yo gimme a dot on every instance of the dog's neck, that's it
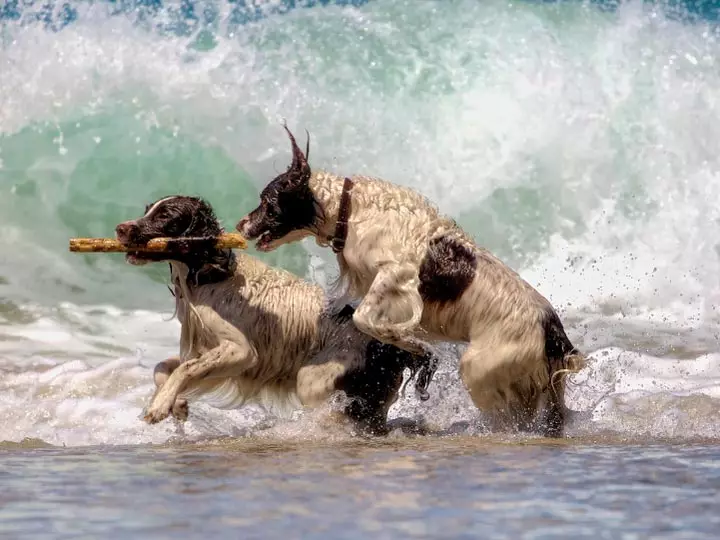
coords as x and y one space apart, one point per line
334 195
210 266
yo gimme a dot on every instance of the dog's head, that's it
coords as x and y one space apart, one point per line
172 217
288 210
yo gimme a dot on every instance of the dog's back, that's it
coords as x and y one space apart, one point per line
456 276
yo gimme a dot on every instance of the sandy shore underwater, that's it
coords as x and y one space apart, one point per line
420 487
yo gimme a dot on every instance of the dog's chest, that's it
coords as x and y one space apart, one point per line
359 259
357 274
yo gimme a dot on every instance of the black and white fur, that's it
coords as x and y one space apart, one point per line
258 333
418 278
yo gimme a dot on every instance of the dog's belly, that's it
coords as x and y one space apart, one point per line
233 392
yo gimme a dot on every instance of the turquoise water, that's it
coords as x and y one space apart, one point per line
576 140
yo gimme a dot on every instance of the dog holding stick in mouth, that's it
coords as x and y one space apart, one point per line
259 334
419 278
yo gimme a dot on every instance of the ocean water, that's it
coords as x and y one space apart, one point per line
577 140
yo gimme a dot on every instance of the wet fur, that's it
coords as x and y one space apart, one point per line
421 278
254 333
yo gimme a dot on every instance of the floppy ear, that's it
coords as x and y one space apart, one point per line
209 222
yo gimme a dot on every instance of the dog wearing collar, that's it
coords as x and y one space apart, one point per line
254 333
421 278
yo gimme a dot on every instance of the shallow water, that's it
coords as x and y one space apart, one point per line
417 488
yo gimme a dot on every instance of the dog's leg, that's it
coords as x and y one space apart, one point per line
553 421
371 384
230 358
161 373
317 382
320 378
392 308
372 391
505 381
164 369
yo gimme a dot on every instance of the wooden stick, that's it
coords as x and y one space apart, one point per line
110 245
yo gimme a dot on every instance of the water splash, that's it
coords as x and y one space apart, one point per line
576 143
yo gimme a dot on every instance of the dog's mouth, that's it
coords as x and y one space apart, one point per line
265 242
267 236
137 258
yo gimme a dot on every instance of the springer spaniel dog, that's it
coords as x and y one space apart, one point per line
257 333
420 278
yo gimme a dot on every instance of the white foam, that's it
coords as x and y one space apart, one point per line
100 401
607 125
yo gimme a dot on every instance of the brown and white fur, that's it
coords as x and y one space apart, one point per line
258 333
421 278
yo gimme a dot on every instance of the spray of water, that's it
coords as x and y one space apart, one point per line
577 144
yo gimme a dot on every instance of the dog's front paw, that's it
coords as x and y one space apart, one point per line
156 414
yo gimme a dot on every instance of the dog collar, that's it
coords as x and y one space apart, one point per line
341 227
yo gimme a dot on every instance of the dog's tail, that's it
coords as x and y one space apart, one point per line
563 358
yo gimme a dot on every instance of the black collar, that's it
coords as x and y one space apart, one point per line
341 227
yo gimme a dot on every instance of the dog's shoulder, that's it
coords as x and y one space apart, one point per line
385 195
448 268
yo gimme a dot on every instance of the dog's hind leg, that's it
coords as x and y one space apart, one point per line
505 381
319 380
373 388
392 308
316 382
230 358
553 418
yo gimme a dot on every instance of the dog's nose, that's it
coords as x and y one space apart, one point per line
123 230
241 224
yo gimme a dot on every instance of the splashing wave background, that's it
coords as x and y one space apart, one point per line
576 140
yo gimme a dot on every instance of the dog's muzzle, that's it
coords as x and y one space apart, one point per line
126 232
